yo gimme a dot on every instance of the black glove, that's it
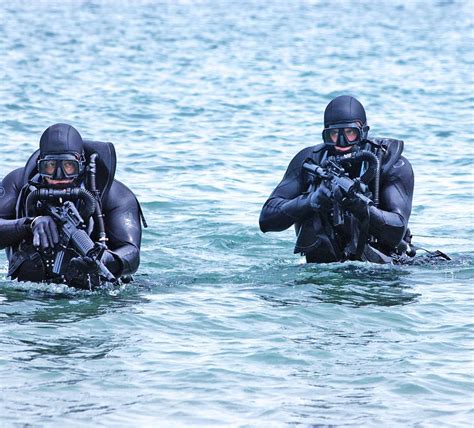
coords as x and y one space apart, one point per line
353 203
321 198
81 272
45 232
84 265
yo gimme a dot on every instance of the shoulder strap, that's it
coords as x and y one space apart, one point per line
20 210
393 151
318 149
30 169
140 211
106 163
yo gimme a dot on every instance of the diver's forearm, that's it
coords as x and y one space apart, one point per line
124 261
279 214
13 231
388 227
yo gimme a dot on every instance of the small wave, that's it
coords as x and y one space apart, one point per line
50 289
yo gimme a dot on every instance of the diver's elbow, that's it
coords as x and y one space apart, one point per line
263 223
392 237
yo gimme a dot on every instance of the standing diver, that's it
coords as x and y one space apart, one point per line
65 219
349 198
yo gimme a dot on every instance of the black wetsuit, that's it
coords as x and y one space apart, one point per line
289 204
122 226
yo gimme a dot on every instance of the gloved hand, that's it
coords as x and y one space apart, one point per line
321 198
84 265
352 203
45 232
80 272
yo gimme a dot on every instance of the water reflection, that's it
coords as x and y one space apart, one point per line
359 285
351 284
46 323
57 304
82 348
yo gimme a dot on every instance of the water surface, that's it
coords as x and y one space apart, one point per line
206 103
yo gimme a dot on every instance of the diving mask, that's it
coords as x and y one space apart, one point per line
344 134
60 167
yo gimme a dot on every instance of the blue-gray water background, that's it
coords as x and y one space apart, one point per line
206 103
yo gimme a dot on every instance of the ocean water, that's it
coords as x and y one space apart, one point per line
206 103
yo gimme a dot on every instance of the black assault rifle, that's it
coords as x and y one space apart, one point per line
334 176
70 224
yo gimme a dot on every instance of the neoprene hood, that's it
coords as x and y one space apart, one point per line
60 139
344 109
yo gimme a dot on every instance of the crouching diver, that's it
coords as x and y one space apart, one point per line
349 198
65 219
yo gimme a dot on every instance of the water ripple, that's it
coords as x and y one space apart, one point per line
206 103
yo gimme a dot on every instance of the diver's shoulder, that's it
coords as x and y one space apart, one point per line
308 152
392 160
398 168
119 196
295 165
392 146
14 178
119 190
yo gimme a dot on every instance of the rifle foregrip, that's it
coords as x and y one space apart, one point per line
365 199
345 183
82 242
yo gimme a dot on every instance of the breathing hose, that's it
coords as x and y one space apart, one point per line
372 172
98 216
65 194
